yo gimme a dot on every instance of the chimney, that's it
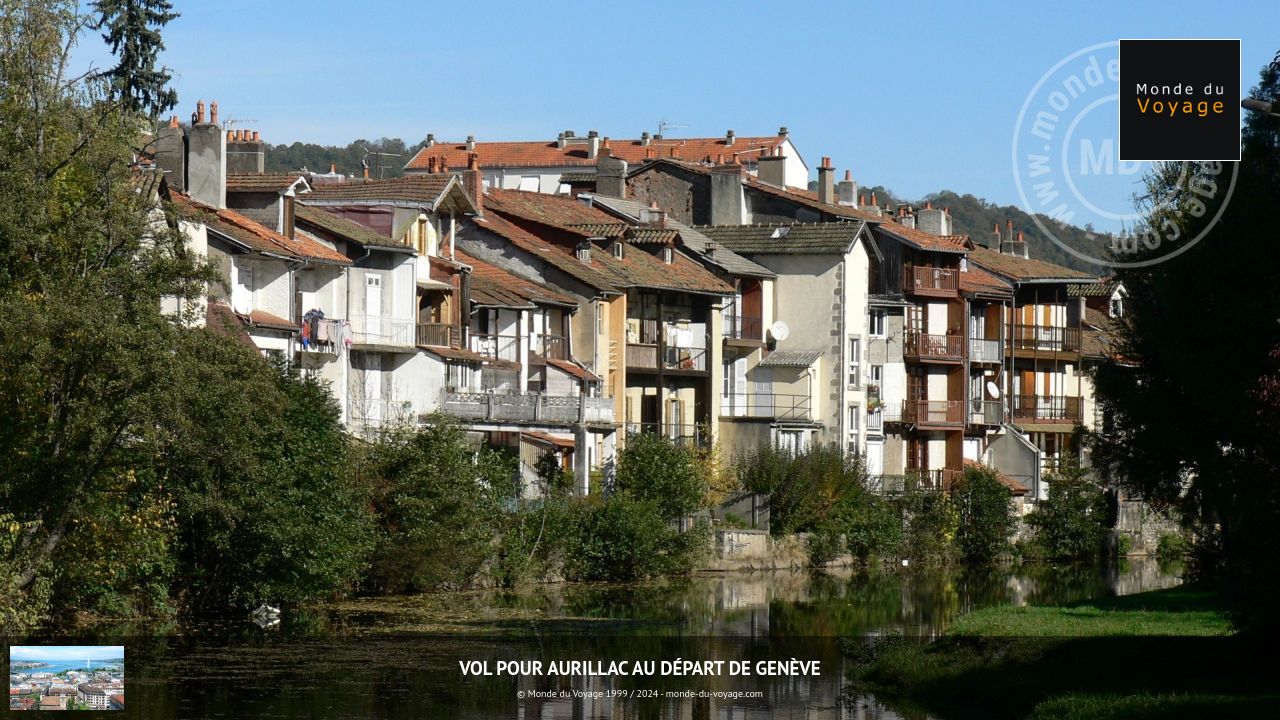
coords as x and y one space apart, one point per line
933 221
645 140
782 131
171 154
213 112
584 252
611 175
593 144
826 182
561 140
1013 243
431 140
471 143
728 139
207 161
847 190
246 153
772 168
726 198
473 182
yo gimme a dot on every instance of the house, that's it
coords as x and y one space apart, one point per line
53 702
95 696
552 166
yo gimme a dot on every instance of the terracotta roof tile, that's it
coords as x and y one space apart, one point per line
557 211
262 182
255 236
573 369
1020 268
786 239
268 320
494 286
548 154
977 280
1014 486
342 227
412 189
555 255
923 240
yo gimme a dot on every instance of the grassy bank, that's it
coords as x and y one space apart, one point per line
1163 654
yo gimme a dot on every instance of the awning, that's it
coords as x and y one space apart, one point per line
429 284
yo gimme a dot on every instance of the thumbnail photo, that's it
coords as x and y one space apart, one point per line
66 677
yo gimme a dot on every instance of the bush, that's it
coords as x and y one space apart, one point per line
875 528
1172 547
985 519
811 491
653 469
930 528
1071 523
626 538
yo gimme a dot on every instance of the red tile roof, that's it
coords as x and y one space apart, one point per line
494 286
555 255
255 236
557 211
1014 486
222 320
924 240
547 154
573 369
261 182
268 320
1020 268
977 280
411 189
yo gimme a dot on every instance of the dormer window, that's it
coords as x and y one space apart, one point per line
617 250
668 255
584 252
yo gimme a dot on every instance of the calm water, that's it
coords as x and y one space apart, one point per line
389 661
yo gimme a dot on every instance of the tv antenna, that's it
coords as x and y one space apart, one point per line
364 161
664 125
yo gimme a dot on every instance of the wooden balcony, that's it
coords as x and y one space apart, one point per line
1043 341
744 327
1054 409
934 348
931 281
438 335
678 359
547 347
682 435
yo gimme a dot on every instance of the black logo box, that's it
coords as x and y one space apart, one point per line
1186 68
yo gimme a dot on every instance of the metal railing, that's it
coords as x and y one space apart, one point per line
1046 408
378 330
933 412
875 421
744 327
684 358
1036 337
982 350
498 347
942 347
684 435
531 408
437 334
930 280
986 412
779 406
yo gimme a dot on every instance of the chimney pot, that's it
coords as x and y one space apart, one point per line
200 111
728 138
173 121
848 175
256 136
782 131
593 133
333 168
471 143
431 140
213 112
231 135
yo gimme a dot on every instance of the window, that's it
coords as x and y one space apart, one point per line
1117 307
855 421
855 360
529 183
875 323
877 374
668 255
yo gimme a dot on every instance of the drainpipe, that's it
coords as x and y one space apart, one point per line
453 231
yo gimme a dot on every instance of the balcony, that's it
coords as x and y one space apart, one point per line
875 421
645 357
528 408
776 406
551 347
932 479
985 351
986 412
380 331
744 327
1034 338
682 435
437 335
933 413
931 281
1045 409
371 414
934 348
320 336
497 347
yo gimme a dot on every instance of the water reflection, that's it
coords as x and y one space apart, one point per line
362 665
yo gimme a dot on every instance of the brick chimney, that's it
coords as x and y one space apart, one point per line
847 190
473 182
826 181
772 168
246 153
611 174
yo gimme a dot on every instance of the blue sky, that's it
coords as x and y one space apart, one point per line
65 653
914 96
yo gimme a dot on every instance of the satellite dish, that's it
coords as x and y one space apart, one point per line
993 390
779 331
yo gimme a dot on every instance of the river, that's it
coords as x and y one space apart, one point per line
399 657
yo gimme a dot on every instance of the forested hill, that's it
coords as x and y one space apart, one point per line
975 217
972 216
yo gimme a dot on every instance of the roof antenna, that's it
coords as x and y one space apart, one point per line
364 161
664 125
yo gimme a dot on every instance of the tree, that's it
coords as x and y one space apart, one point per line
1071 523
986 519
133 33
653 469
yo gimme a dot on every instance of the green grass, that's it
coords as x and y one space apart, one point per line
1164 654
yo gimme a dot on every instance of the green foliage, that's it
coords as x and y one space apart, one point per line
133 33
1172 547
438 503
985 518
811 491
875 528
626 538
931 525
656 470
1070 523
386 157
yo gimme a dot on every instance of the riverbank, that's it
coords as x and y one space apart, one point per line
1162 654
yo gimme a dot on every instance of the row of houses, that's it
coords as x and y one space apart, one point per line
558 296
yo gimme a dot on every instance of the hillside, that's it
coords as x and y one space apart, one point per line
386 157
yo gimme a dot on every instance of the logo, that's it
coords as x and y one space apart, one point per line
1070 178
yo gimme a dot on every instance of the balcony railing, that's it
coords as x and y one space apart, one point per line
682 358
498 347
530 408
552 347
933 412
986 412
371 414
984 351
1042 408
875 421
931 479
437 335
766 405
321 335
1052 339
643 357
378 330
743 327
934 347
930 280
683 435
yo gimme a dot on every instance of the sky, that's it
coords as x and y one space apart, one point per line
65 653
917 97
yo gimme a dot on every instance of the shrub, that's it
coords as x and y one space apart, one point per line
626 538
1172 547
810 491
653 469
985 519
930 528
1071 523
875 528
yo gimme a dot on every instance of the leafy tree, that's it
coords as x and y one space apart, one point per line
986 519
625 538
133 33
1071 523
808 491
652 468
